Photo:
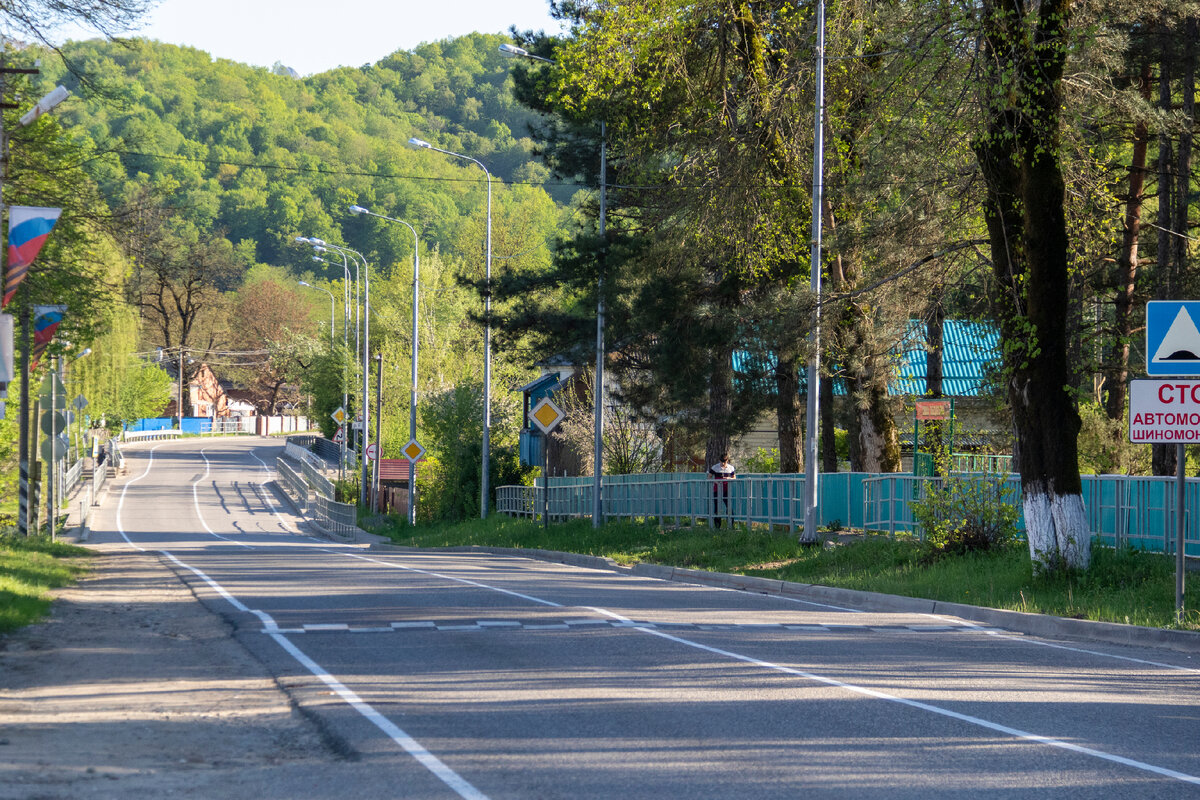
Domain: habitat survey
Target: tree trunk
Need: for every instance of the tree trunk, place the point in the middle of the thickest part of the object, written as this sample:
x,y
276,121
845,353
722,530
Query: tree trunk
x,y
1162,456
720,405
1127,266
1026,221
787,386
934,335
829,459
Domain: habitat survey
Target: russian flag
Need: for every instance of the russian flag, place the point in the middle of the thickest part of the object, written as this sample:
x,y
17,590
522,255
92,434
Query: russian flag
x,y
46,320
28,228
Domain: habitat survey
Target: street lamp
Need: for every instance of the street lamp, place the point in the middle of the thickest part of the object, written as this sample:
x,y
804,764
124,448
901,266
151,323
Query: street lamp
x,y
512,51
366,349
412,401
345,434
487,325
44,105
811,475
326,291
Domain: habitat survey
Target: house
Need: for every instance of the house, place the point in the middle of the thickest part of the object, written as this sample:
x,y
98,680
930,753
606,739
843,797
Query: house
x,y
206,396
969,349
970,352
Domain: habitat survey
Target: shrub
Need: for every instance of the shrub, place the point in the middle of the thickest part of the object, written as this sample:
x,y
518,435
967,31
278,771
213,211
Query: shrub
x,y
958,515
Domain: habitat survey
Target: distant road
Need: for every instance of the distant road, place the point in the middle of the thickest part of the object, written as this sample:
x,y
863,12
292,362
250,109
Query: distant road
x,y
464,675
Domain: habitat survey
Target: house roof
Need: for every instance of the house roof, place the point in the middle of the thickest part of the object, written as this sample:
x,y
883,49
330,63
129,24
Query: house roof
x,y
969,349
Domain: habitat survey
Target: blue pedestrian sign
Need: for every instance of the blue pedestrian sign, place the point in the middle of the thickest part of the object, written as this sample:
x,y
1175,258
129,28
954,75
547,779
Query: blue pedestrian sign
x,y
1172,337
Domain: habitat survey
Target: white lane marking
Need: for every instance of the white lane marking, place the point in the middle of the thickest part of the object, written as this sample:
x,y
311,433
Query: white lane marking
x,y
862,690
530,598
200,516
390,729
410,745
121,502
267,620
1056,646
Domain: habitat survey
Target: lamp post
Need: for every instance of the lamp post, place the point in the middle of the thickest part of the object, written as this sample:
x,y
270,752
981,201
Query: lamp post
x,y
814,360
512,51
322,246
326,291
366,349
44,105
487,325
345,335
412,398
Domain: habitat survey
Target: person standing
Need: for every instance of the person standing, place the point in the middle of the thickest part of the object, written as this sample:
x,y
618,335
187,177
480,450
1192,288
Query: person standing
x,y
721,474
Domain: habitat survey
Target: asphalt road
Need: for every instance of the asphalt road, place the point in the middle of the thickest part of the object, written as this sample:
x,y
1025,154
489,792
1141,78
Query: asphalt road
x,y
466,675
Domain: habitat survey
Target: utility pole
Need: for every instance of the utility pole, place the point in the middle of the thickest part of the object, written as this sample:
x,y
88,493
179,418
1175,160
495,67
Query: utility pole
x,y
179,390
23,414
811,476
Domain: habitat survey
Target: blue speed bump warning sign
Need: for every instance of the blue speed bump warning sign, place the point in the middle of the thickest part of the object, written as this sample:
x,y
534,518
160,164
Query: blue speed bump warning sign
x,y
1172,337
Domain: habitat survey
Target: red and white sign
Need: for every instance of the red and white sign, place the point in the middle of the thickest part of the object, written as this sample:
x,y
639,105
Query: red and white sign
x,y
372,451
933,409
1164,411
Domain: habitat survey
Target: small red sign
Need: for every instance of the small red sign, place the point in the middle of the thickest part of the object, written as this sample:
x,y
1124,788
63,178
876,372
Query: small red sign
x,y
933,409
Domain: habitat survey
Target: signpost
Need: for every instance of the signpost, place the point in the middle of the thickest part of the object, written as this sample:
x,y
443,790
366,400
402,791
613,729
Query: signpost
x,y
1172,338
546,415
372,451
339,417
413,451
1168,411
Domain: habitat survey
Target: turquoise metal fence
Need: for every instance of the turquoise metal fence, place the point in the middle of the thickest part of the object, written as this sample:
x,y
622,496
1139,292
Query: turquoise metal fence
x,y
1122,510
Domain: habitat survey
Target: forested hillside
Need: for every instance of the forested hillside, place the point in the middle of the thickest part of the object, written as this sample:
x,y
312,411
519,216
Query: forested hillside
x,y
192,179
264,157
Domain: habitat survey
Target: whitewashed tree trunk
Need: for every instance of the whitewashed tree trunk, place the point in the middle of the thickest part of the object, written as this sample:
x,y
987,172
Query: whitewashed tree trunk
x,y
1057,529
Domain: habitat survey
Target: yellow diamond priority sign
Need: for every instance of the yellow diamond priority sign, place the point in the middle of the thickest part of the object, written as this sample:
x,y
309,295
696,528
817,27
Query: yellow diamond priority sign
x,y
413,451
546,415
339,416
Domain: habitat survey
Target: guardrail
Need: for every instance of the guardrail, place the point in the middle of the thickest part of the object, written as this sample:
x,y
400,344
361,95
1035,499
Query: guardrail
x,y
132,436
70,477
227,425
338,519
334,517
99,479
312,473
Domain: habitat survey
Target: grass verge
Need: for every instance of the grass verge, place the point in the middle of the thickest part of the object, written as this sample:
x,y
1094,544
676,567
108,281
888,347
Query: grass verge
x,y
29,568
1122,586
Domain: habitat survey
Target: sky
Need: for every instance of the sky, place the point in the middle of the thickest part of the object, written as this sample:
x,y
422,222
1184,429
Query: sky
x,y
317,35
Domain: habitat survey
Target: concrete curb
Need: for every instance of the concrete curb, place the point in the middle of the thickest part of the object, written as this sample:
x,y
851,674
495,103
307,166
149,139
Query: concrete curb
x,y
1018,621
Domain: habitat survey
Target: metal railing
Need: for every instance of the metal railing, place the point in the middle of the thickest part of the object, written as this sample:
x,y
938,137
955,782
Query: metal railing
x,y
99,479
131,436
336,518
310,467
227,425
763,500
1122,510
975,463
70,477
293,484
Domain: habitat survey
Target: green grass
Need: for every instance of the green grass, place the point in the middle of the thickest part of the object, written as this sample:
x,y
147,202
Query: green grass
x,y
29,568
1122,586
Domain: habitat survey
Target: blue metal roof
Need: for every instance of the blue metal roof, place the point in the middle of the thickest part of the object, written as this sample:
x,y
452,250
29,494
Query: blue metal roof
x,y
968,350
